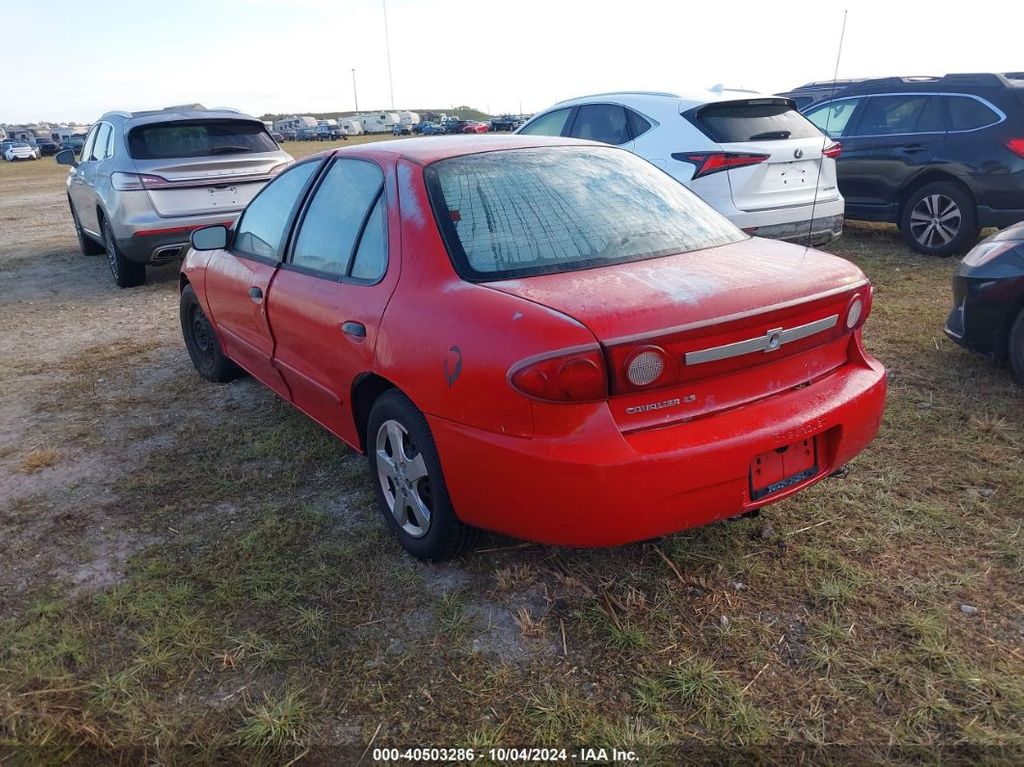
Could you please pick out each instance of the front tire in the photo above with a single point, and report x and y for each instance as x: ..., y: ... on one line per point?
x: 127, y: 274
x: 940, y: 219
x: 88, y: 246
x: 406, y: 472
x: 1016, y: 347
x: 201, y: 341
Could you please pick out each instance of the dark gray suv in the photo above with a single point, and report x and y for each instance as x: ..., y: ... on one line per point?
x: 145, y: 180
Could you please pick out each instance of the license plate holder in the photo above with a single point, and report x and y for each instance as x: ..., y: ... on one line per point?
x: 773, y: 471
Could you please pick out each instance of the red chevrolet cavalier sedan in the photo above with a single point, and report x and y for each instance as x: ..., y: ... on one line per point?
x: 547, y: 338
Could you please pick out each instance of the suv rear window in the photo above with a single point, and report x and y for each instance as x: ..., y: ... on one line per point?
x: 198, y: 138
x: 755, y: 120
x: 523, y: 212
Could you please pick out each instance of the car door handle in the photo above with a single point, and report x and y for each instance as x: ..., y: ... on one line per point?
x: 354, y: 329
x: 912, y: 148
x: 256, y: 295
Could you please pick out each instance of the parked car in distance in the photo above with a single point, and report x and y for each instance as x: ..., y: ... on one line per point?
x: 592, y: 353
x: 940, y: 157
x: 20, y: 150
x: 145, y: 180
x: 505, y: 123
x: 307, y: 134
x: 402, y: 129
x: 428, y: 129
x: 289, y: 135
x: 74, y: 142
x: 754, y: 158
x: 475, y: 126
x: 988, y: 299
x: 278, y: 137
x: 47, y: 147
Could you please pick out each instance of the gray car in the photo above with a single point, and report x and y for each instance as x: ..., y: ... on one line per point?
x: 145, y: 180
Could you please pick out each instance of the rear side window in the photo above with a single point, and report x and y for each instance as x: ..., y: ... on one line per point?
x: 832, y: 119
x: 550, y: 124
x: 523, y: 212
x: 756, y: 120
x: 262, y: 228
x: 198, y: 138
x: 638, y: 124
x: 99, y: 145
x: 966, y: 113
x: 336, y: 217
x: 601, y: 122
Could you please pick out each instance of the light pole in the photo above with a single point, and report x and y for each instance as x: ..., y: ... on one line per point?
x: 387, y: 47
x: 355, y: 96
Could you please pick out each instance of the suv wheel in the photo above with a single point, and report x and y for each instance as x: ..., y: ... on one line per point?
x: 87, y: 244
x: 127, y: 274
x: 939, y: 219
x: 1016, y: 347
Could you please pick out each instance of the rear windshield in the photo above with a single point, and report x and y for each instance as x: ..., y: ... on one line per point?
x: 757, y: 120
x: 523, y: 212
x: 198, y: 138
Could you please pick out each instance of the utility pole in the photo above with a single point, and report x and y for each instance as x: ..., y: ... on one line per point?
x: 387, y: 47
x: 355, y: 96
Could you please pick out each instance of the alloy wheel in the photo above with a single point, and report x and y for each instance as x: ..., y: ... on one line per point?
x: 935, y: 220
x: 404, y: 478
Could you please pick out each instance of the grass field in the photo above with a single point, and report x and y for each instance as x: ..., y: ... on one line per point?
x: 197, y: 572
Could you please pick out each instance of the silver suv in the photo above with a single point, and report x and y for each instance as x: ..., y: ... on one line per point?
x: 145, y: 180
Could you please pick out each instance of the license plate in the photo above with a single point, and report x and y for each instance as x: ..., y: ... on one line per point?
x: 783, y: 467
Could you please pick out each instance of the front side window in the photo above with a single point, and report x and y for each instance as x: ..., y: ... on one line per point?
x: 891, y: 115
x: 601, y: 122
x: 522, y: 212
x: 550, y: 124
x: 335, y: 218
x: 263, y: 226
x: 966, y: 113
x: 198, y: 138
x: 833, y: 119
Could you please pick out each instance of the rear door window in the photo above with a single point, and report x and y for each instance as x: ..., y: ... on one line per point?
x: 550, y: 124
x: 638, y: 124
x: 336, y: 218
x: 755, y: 120
x: 261, y: 231
x: 198, y: 138
x: 891, y: 115
x: 833, y: 119
x: 601, y: 122
x: 966, y: 113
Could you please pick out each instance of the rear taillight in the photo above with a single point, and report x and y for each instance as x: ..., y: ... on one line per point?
x: 706, y: 163
x: 833, y: 150
x: 1015, y: 145
x: 134, y: 182
x: 572, y: 377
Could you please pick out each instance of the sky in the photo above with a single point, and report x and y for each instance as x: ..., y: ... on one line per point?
x: 80, y: 59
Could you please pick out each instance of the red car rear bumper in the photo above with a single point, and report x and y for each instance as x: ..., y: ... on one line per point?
x: 600, y: 487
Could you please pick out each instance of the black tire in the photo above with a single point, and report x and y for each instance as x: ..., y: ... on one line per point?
x: 201, y: 341
x: 940, y: 219
x: 127, y: 274
x: 446, y: 536
x: 88, y: 245
x: 1015, y: 350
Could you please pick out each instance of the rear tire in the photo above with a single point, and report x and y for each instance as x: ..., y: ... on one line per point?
x: 201, y: 341
x: 406, y: 473
x: 1015, y: 350
x: 939, y: 219
x: 127, y: 274
x: 88, y: 245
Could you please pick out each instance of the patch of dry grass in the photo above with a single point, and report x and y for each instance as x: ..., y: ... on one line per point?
x: 38, y: 459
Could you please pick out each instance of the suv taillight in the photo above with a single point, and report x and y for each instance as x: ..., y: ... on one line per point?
x: 833, y: 150
x: 706, y: 163
x: 573, y: 377
x: 135, y: 182
x: 1015, y: 145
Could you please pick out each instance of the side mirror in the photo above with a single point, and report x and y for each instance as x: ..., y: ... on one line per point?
x: 210, y: 238
x: 66, y: 157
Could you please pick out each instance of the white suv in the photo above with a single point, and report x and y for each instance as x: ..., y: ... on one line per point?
x: 755, y: 158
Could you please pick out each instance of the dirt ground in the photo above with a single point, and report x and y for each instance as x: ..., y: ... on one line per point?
x: 186, y: 565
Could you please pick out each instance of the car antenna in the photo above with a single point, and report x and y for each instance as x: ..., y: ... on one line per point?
x: 826, y: 138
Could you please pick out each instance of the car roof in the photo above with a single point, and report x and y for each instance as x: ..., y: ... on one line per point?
x: 184, y: 112
x: 426, y: 150
x: 656, y: 101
